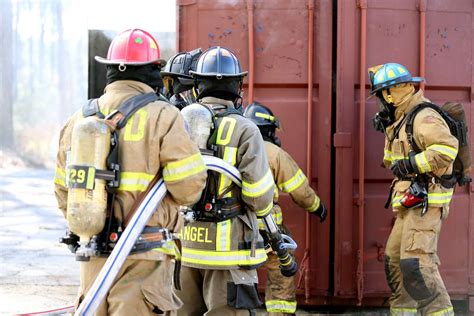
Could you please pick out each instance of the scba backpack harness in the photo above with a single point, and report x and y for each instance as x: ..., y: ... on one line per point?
x: 454, y: 116
x: 213, y: 206
x: 103, y: 243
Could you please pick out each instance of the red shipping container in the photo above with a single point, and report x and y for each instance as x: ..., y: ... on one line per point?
x: 307, y: 61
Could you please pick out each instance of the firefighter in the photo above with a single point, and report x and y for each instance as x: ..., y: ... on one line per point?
x: 178, y: 83
x: 280, y: 295
x: 419, y: 197
x: 222, y: 248
x: 153, y: 142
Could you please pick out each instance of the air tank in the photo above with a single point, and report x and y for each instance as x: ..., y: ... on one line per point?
x: 199, y: 123
x: 87, y: 198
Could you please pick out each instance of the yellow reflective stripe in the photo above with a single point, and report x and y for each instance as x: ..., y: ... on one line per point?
x: 184, y: 168
x: 223, y: 258
x: 293, y: 183
x: 277, y: 217
x: 280, y: 306
x: 442, y: 198
x: 223, y: 235
x: 134, y: 181
x: 390, y: 156
x: 449, y: 151
x: 60, y: 177
x: 396, y: 200
x: 230, y: 156
x: 265, y: 211
x: 402, y: 311
x: 444, y: 312
x: 265, y: 116
x: 231, y: 123
x: 135, y: 133
x: 315, y: 204
x: 168, y: 248
x: 422, y: 163
x: 258, y: 188
x: 387, y: 155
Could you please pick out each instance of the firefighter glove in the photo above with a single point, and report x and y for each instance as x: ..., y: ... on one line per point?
x: 403, y: 167
x: 321, y: 212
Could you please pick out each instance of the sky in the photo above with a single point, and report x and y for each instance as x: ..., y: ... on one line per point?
x: 151, y: 15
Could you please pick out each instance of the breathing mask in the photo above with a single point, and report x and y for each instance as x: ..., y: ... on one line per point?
x: 386, y: 115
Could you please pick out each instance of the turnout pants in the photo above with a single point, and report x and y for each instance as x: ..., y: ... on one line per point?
x: 211, y: 293
x: 411, y: 264
x: 142, y: 287
x: 280, y: 293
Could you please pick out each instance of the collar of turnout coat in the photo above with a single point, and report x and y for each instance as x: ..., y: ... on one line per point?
x: 128, y: 85
x: 216, y: 103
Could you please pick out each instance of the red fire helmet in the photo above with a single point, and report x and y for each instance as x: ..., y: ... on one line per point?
x: 133, y: 47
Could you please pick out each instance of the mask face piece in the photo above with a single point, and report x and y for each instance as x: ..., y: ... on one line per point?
x: 386, y: 115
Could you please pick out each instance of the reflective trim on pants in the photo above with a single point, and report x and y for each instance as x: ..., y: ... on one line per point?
x: 280, y: 306
x: 444, y: 312
x: 394, y: 311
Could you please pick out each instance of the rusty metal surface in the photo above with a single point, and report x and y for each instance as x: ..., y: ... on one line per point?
x: 280, y: 81
x: 445, y: 55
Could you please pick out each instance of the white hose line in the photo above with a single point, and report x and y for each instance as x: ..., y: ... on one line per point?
x: 127, y: 240
x: 112, y: 266
x: 219, y: 165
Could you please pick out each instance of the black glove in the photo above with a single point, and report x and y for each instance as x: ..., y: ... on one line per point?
x: 380, y: 123
x: 71, y: 240
x: 321, y: 212
x: 403, y: 167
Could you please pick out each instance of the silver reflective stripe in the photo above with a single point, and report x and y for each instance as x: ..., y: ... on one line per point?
x: 223, y: 235
x: 224, y: 258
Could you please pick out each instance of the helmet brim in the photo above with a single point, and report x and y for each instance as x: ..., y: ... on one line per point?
x: 388, y: 85
x: 102, y: 60
x: 218, y: 75
x: 175, y: 75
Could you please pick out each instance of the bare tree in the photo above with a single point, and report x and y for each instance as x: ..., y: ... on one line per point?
x: 6, y: 75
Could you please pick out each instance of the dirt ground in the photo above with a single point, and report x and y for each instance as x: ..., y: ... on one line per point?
x: 36, y: 272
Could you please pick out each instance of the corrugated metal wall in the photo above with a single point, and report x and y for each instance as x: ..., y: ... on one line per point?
x: 291, y: 49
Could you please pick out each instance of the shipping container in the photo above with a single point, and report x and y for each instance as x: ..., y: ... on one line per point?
x: 308, y: 60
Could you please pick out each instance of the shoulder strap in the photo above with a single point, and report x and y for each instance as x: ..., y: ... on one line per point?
x: 130, y: 106
x: 228, y: 112
x: 211, y: 143
x: 91, y: 108
x: 411, y: 119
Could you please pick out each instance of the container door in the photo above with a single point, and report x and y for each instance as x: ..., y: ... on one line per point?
x: 431, y: 38
x: 280, y: 60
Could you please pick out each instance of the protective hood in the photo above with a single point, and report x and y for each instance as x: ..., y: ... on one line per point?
x: 148, y: 74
